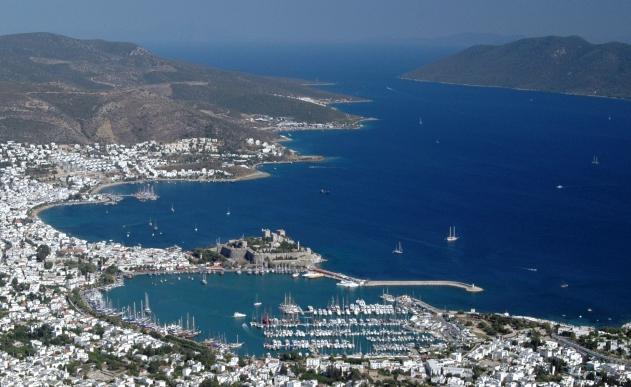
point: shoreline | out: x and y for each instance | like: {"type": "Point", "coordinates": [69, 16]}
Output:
{"type": "Point", "coordinates": [515, 89]}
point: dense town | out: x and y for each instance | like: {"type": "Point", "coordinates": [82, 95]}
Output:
{"type": "Point", "coordinates": [50, 335]}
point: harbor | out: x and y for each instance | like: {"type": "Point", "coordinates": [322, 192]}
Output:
{"type": "Point", "coordinates": [314, 315]}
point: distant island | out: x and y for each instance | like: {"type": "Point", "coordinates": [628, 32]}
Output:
{"type": "Point", "coordinates": [556, 64]}
{"type": "Point", "coordinates": [56, 88]}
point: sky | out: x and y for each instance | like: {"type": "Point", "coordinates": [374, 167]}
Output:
{"type": "Point", "coordinates": [315, 21]}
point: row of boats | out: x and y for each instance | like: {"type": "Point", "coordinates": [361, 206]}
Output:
{"type": "Point", "coordinates": [380, 328]}
{"type": "Point", "coordinates": [142, 316]}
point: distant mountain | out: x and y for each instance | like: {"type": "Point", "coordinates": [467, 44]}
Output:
{"type": "Point", "coordinates": [558, 64]}
{"type": "Point", "coordinates": [463, 40]}
{"type": "Point", "coordinates": [56, 88]}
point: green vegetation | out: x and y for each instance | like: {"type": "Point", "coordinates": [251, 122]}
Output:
{"type": "Point", "coordinates": [17, 342]}
{"type": "Point", "coordinates": [42, 252]}
{"type": "Point", "coordinates": [207, 255]}
{"type": "Point", "coordinates": [109, 275]}
{"type": "Point", "coordinates": [558, 64]}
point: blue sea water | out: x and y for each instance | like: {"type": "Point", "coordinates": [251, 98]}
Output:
{"type": "Point", "coordinates": [485, 160]}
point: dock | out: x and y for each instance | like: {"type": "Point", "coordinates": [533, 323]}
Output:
{"type": "Point", "coordinates": [394, 283]}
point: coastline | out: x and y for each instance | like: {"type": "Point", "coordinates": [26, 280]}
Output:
{"type": "Point", "coordinates": [515, 88]}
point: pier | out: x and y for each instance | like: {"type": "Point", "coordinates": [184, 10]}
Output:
{"type": "Point", "coordinates": [454, 284]}
{"type": "Point", "coordinates": [394, 283]}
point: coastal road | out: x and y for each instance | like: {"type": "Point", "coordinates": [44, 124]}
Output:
{"type": "Point", "coordinates": [588, 352]}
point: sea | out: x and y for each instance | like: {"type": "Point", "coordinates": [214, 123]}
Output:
{"type": "Point", "coordinates": [544, 230]}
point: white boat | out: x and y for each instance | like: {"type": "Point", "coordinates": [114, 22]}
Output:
{"type": "Point", "coordinates": [398, 249]}
{"type": "Point", "coordinates": [420, 121]}
{"type": "Point", "coordinates": [147, 307]}
{"type": "Point", "coordinates": [204, 280]}
{"type": "Point", "coordinates": [595, 160]}
{"type": "Point", "coordinates": [452, 234]}
{"type": "Point", "coordinates": [313, 275]}
{"type": "Point", "coordinates": [348, 284]}
{"type": "Point", "coordinates": [228, 212]}
{"type": "Point", "coordinates": [172, 208]}
{"type": "Point", "coordinates": [195, 228]}
{"type": "Point", "coordinates": [295, 275]}
{"type": "Point", "coordinates": [559, 186]}
{"type": "Point", "coordinates": [257, 303]}
{"type": "Point", "coordinates": [239, 315]}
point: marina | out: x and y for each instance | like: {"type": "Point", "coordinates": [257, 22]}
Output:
{"type": "Point", "coordinates": [298, 314]}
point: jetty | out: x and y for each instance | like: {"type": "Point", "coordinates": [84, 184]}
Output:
{"type": "Point", "coordinates": [454, 284]}
{"type": "Point", "coordinates": [472, 288]}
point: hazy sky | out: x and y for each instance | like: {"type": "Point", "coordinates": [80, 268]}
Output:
{"type": "Point", "coordinates": [315, 20]}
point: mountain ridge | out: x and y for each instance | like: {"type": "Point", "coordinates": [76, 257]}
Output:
{"type": "Point", "coordinates": [57, 88]}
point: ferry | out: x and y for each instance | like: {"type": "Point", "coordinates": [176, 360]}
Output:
{"type": "Point", "coordinates": [348, 284]}
{"type": "Point", "coordinates": [313, 275]}
{"type": "Point", "coordinates": [239, 315]}
{"type": "Point", "coordinates": [452, 234]}
{"type": "Point", "coordinates": [398, 249]}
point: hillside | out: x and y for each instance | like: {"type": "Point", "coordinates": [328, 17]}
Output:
{"type": "Point", "coordinates": [558, 64]}
{"type": "Point", "coordinates": [55, 88]}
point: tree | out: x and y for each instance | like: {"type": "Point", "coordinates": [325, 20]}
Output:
{"type": "Point", "coordinates": [42, 252]}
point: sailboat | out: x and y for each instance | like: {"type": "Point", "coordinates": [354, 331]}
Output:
{"type": "Point", "coordinates": [228, 212]}
{"type": "Point", "coordinates": [420, 121]}
{"type": "Point", "coordinates": [147, 307]}
{"type": "Point", "coordinates": [195, 228]}
{"type": "Point", "coordinates": [398, 249]}
{"type": "Point", "coordinates": [237, 344]}
{"type": "Point", "coordinates": [155, 225]}
{"type": "Point", "coordinates": [595, 160]}
{"type": "Point", "coordinates": [257, 303]}
{"type": "Point", "coordinates": [172, 208]}
{"type": "Point", "coordinates": [204, 280]}
{"type": "Point", "coordinates": [452, 234]}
